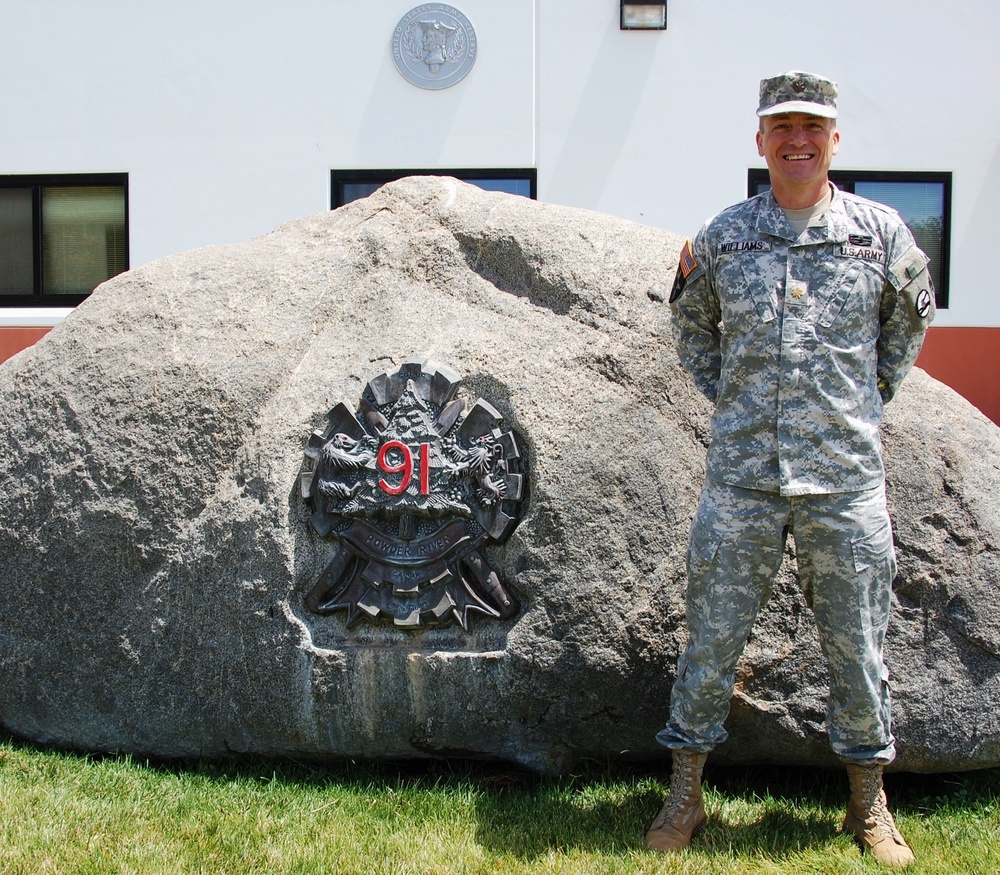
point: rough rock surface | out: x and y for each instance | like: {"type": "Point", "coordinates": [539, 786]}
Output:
{"type": "Point", "coordinates": [156, 552]}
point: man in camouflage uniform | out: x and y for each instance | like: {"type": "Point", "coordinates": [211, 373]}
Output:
{"type": "Point", "coordinates": [798, 313]}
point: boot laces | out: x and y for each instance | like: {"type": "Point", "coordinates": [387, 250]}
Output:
{"type": "Point", "coordinates": [877, 813]}
{"type": "Point", "coordinates": [681, 793]}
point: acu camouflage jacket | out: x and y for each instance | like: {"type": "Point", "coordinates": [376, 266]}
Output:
{"type": "Point", "coordinates": [799, 340]}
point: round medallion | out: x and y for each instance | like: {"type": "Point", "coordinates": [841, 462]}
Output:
{"type": "Point", "coordinates": [434, 46]}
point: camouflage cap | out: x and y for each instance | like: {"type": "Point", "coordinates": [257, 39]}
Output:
{"type": "Point", "coordinates": [796, 91]}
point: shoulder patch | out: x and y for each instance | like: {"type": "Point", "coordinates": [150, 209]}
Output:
{"type": "Point", "coordinates": [908, 267]}
{"type": "Point", "coordinates": [924, 302]}
{"type": "Point", "coordinates": [687, 264]}
{"type": "Point", "coordinates": [910, 277]}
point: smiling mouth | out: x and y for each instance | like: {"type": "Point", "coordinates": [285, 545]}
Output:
{"type": "Point", "coordinates": [797, 157]}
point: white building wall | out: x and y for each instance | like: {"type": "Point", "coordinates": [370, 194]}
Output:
{"type": "Point", "coordinates": [228, 116]}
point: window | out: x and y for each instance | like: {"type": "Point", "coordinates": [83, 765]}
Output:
{"type": "Point", "coordinates": [351, 185]}
{"type": "Point", "coordinates": [61, 236]}
{"type": "Point", "coordinates": [922, 199]}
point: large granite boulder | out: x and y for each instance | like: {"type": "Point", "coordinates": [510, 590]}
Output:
{"type": "Point", "coordinates": [196, 556]}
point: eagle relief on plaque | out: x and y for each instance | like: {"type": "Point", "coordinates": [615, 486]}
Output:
{"type": "Point", "coordinates": [411, 486]}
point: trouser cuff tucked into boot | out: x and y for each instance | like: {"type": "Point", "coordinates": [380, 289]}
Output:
{"type": "Point", "coordinates": [869, 819]}
{"type": "Point", "coordinates": [683, 814]}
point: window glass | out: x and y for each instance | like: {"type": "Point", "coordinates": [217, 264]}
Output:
{"type": "Point", "coordinates": [83, 237]}
{"type": "Point", "coordinates": [17, 262]}
{"type": "Point", "coordinates": [61, 234]}
{"type": "Point", "coordinates": [352, 185]}
{"type": "Point", "coordinates": [510, 186]}
{"type": "Point", "coordinates": [354, 191]}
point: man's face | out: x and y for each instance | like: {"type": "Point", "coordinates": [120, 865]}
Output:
{"type": "Point", "coordinates": [798, 147]}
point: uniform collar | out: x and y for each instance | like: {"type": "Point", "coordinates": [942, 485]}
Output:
{"type": "Point", "coordinates": [771, 220]}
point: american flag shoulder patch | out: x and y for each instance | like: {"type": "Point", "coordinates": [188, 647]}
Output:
{"type": "Point", "coordinates": [687, 263]}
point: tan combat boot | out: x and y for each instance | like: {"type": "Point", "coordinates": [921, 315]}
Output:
{"type": "Point", "coordinates": [683, 814]}
{"type": "Point", "coordinates": [870, 821]}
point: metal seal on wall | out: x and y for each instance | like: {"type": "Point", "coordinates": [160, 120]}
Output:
{"type": "Point", "coordinates": [412, 486]}
{"type": "Point", "coordinates": [434, 46]}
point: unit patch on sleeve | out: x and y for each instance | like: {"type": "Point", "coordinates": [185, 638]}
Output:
{"type": "Point", "coordinates": [910, 277]}
{"type": "Point", "coordinates": [923, 303]}
{"type": "Point", "coordinates": [687, 264]}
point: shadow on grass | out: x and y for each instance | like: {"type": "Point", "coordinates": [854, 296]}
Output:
{"type": "Point", "coordinates": [609, 811]}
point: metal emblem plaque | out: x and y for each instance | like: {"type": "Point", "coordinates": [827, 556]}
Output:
{"type": "Point", "coordinates": [412, 486]}
{"type": "Point", "coordinates": [434, 46]}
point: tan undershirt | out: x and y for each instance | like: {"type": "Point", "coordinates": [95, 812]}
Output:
{"type": "Point", "coordinates": [802, 219]}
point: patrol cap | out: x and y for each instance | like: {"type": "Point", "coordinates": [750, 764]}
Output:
{"type": "Point", "coordinates": [796, 91]}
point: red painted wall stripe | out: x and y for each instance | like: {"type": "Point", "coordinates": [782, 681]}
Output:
{"type": "Point", "coordinates": [13, 340]}
{"type": "Point", "coordinates": [968, 360]}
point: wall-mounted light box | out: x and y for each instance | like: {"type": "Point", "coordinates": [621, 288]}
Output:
{"type": "Point", "coordinates": [644, 16]}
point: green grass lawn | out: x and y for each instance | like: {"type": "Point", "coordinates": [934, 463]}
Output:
{"type": "Point", "coordinates": [68, 813]}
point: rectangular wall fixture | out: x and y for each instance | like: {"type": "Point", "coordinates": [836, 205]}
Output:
{"type": "Point", "coordinates": [644, 16]}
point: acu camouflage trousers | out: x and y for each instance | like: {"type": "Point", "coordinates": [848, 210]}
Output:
{"type": "Point", "coordinates": [846, 564]}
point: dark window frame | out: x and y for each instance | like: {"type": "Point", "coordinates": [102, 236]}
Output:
{"type": "Point", "coordinates": [36, 182]}
{"type": "Point", "coordinates": [340, 178]}
{"type": "Point", "coordinates": [759, 180]}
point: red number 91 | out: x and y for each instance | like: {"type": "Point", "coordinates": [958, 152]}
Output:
{"type": "Point", "coordinates": [395, 457]}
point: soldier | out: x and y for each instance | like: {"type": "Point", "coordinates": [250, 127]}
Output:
{"type": "Point", "coordinates": [797, 312]}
